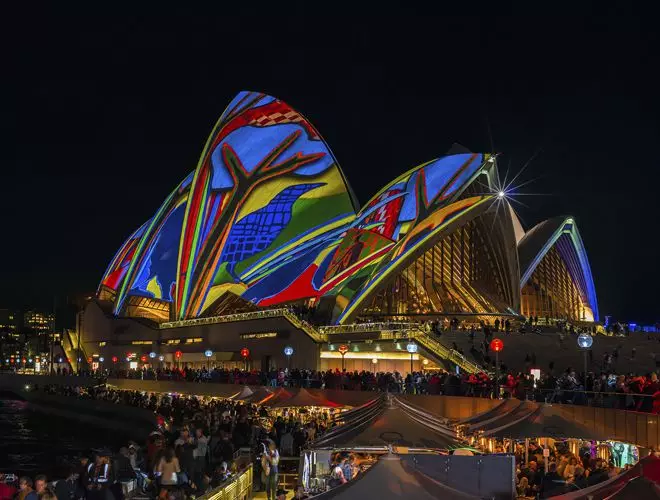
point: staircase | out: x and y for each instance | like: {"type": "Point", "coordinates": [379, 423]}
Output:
{"type": "Point", "coordinates": [427, 341]}
{"type": "Point", "coordinates": [396, 330]}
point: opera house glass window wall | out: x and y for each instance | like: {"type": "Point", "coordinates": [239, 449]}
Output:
{"type": "Point", "coordinates": [267, 218]}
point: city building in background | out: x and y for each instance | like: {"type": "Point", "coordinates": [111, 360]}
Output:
{"type": "Point", "coordinates": [267, 224]}
{"type": "Point", "coordinates": [40, 322]}
{"type": "Point", "coordinates": [8, 320]}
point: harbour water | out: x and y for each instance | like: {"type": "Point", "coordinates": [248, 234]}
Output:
{"type": "Point", "coordinates": [36, 443]}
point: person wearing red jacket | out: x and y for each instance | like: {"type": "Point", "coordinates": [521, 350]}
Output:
{"type": "Point", "coordinates": [7, 491]}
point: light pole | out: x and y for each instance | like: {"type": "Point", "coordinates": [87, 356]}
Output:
{"type": "Point", "coordinates": [585, 341]}
{"type": "Point", "coordinates": [412, 349]}
{"type": "Point", "coordinates": [288, 352]}
{"type": "Point", "coordinates": [245, 353]}
{"type": "Point", "coordinates": [208, 353]}
{"type": "Point", "coordinates": [497, 345]}
{"type": "Point", "coordinates": [343, 349]}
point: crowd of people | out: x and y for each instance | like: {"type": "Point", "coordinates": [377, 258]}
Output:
{"type": "Point", "coordinates": [606, 388]}
{"type": "Point", "coordinates": [201, 443]}
{"type": "Point", "coordinates": [566, 471]}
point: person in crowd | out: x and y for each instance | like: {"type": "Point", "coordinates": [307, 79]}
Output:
{"type": "Point", "coordinates": [224, 449]}
{"type": "Point", "coordinates": [7, 491]}
{"type": "Point", "coordinates": [523, 487]}
{"type": "Point", "coordinates": [220, 475]}
{"type": "Point", "coordinates": [580, 479]}
{"type": "Point", "coordinates": [40, 483]}
{"type": "Point", "coordinates": [569, 470]}
{"type": "Point", "coordinates": [25, 490]}
{"type": "Point", "coordinates": [346, 469]}
{"type": "Point", "coordinates": [552, 483]}
{"type": "Point", "coordinates": [99, 477]}
{"type": "Point", "coordinates": [199, 455]}
{"type": "Point", "coordinates": [300, 494]}
{"type": "Point", "coordinates": [67, 488]}
{"type": "Point", "coordinates": [47, 494]}
{"type": "Point", "coordinates": [168, 470]}
{"type": "Point", "coordinates": [270, 465]}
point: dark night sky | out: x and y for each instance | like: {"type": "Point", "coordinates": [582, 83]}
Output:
{"type": "Point", "coordinates": [102, 117]}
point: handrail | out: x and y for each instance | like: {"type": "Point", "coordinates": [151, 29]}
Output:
{"type": "Point", "coordinates": [247, 316]}
{"type": "Point", "coordinates": [238, 487]}
{"type": "Point", "coordinates": [369, 327]}
{"type": "Point", "coordinates": [443, 351]}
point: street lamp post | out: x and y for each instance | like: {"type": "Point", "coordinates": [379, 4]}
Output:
{"type": "Point", "coordinates": [208, 353]}
{"type": "Point", "coordinates": [497, 345]}
{"type": "Point", "coordinates": [245, 353]}
{"type": "Point", "coordinates": [288, 352]}
{"type": "Point", "coordinates": [412, 349]}
{"type": "Point", "coordinates": [343, 349]}
{"type": "Point", "coordinates": [585, 341]}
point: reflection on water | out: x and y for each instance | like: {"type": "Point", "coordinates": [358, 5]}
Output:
{"type": "Point", "coordinates": [33, 442]}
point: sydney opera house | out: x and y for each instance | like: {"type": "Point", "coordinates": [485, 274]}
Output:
{"type": "Point", "coordinates": [267, 226]}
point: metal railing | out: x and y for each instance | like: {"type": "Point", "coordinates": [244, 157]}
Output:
{"type": "Point", "coordinates": [389, 326]}
{"type": "Point", "coordinates": [428, 342]}
{"type": "Point", "coordinates": [387, 330]}
{"type": "Point", "coordinates": [248, 316]}
{"type": "Point", "coordinates": [618, 400]}
{"type": "Point", "coordinates": [238, 489]}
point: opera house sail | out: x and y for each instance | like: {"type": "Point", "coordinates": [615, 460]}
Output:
{"type": "Point", "coordinates": [267, 218]}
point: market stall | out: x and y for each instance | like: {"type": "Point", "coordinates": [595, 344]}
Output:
{"type": "Point", "coordinates": [371, 430]}
{"type": "Point", "coordinates": [390, 478]}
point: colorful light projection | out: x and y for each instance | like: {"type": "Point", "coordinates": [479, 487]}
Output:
{"type": "Point", "coordinates": [267, 216]}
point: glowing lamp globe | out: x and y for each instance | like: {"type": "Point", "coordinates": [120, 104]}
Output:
{"type": "Point", "coordinates": [411, 347]}
{"type": "Point", "coordinates": [101, 359]}
{"type": "Point", "coordinates": [208, 353]}
{"type": "Point", "coordinates": [245, 352]}
{"type": "Point", "coordinates": [288, 350]}
{"type": "Point", "coordinates": [585, 341]}
{"type": "Point", "coordinates": [343, 349]}
{"type": "Point", "coordinates": [152, 355]}
{"type": "Point", "coordinates": [178, 354]}
{"type": "Point", "coordinates": [496, 345]}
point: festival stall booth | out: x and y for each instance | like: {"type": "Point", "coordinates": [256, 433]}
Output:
{"type": "Point", "coordinates": [391, 478]}
{"type": "Point", "coordinates": [544, 427]}
{"type": "Point", "coordinates": [640, 482]}
{"type": "Point", "coordinates": [253, 396]}
{"type": "Point", "coordinates": [380, 428]}
{"type": "Point", "coordinates": [304, 406]}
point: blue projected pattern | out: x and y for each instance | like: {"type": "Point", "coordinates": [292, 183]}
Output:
{"type": "Point", "coordinates": [255, 232]}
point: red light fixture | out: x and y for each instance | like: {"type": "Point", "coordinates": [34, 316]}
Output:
{"type": "Point", "coordinates": [496, 345]}
{"type": "Point", "coordinates": [143, 359]}
{"type": "Point", "coordinates": [115, 359]}
{"type": "Point", "coordinates": [245, 352]}
{"type": "Point", "coordinates": [178, 354]}
{"type": "Point", "coordinates": [343, 349]}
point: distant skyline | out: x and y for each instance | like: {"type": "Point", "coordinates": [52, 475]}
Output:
{"type": "Point", "coordinates": [102, 118]}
